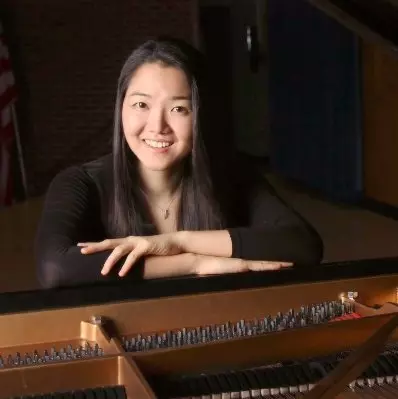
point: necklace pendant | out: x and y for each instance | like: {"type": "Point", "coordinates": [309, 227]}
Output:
{"type": "Point", "coordinates": [166, 213]}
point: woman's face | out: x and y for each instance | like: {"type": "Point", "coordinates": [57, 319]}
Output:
{"type": "Point", "coordinates": [157, 116]}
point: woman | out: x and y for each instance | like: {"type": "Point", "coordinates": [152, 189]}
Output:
{"type": "Point", "coordinates": [157, 206]}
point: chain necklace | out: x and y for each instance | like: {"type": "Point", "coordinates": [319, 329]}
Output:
{"type": "Point", "coordinates": [166, 211]}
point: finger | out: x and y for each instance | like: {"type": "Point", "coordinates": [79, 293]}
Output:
{"type": "Point", "coordinates": [265, 265]}
{"type": "Point", "coordinates": [91, 247]}
{"type": "Point", "coordinates": [260, 266]}
{"type": "Point", "coordinates": [220, 266]}
{"type": "Point", "coordinates": [113, 258]}
{"type": "Point", "coordinates": [130, 260]}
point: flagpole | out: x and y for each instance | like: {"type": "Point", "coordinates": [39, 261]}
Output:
{"type": "Point", "coordinates": [19, 150]}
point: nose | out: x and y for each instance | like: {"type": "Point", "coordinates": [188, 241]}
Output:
{"type": "Point", "coordinates": [156, 122]}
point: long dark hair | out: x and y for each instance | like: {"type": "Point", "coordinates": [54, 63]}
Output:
{"type": "Point", "coordinates": [199, 209]}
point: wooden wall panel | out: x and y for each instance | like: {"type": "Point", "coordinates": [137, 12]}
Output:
{"type": "Point", "coordinates": [380, 101]}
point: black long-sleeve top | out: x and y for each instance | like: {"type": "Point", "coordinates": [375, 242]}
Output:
{"type": "Point", "coordinates": [263, 226]}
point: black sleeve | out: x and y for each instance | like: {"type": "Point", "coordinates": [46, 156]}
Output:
{"type": "Point", "coordinates": [71, 214]}
{"type": "Point", "coordinates": [275, 231]}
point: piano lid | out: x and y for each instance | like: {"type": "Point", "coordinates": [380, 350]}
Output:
{"type": "Point", "coordinates": [96, 294]}
{"type": "Point", "coordinates": [374, 20]}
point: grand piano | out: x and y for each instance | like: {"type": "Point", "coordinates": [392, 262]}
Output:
{"type": "Point", "coordinates": [322, 332]}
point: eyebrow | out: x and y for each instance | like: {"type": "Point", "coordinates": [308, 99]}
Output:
{"type": "Point", "coordinates": [181, 98]}
{"type": "Point", "coordinates": [138, 93]}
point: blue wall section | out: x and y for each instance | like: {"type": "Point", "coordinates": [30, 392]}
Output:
{"type": "Point", "coordinates": [314, 96]}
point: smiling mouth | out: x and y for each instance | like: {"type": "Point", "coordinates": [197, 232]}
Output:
{"type": "Point", "coordinates": [157, 144]}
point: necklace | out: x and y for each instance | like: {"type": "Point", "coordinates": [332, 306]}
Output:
{"type": "Point", "coordinates": [166, 211]}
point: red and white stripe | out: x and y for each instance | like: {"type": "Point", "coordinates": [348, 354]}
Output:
{"type": "Point", "coordinates": [7, 132]}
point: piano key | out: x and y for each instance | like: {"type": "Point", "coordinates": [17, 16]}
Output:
{"type": "Point", "coordinates": [328, 366]}
{"type": "Point", "coordinates": [293, 382]}
{"type": "Point", "coordinates": [387, 368]}
{"type": "Point", "coordinates": [243, 385]}
{"type": "Point", "coordinates": [254, 385]}
{"type": "Point", "coordinates": [215, 388]}
{"type": "Point", "coordinates": [264, 382]}
{"type": "Point", "coordinates": [380, 371]}
{"type": "Point", "coordinates": [224, 386]}
{"type": "Point", "coordinates": [234, 385]}
{"type": "Point", "coordinates": [205, 387]}
{"type": "Point", "coordinates": [282, 379]}
{"type": "Point", "coordinates": [199, 387]}
{"type": "Point", "coordinates": [307, 377]}
{"type": "Point", "coordinates": [387, 358]}
{"type": "Point", "coordinates": [393, 358]}
{"type": "Point", "coordinates": [191, 387]}
{"type": "Point", "coordinates": [370, 376]}
{"type": "Point", "coordinates": [270, 375]}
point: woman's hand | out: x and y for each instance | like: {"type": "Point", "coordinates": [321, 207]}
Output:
{"type": "Point", "coordinates": [134, 247]}
{"type": "Point", "coordinates": [207, 265]}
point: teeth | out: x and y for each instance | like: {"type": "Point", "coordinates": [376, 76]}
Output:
{"type": "Point", "coordinates": [157, 144]}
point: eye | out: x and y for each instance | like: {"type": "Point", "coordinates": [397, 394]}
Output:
{"type": "Point", "coordinates": [140, 105]}
{"type": "Point", "coordinates": [181, 110]}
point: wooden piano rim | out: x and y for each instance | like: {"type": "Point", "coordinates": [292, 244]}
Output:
{"type": "Point", "coordinates": [130, 317]}
{"type": "Point", "coordinates": [100, 294]}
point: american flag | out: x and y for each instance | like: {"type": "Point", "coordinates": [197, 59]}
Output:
{"type": "Point", "coordinates": [7, 130]}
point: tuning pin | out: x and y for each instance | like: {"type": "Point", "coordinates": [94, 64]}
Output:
{"type": "Point", "coordinates": [17, 360]}
{"type": "Point", "coordinates": [28, 359]}
{"type": "Point", "coordinates": [36, 357]}
{"type": "Point", "coordinates": [179, 337]}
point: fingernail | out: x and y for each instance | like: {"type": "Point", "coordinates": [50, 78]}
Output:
{"type": "Point", "coordinates": [83, 250]}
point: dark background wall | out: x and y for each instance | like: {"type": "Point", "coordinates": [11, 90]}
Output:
{"type": "Point", "coordinates": [67, 56]}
